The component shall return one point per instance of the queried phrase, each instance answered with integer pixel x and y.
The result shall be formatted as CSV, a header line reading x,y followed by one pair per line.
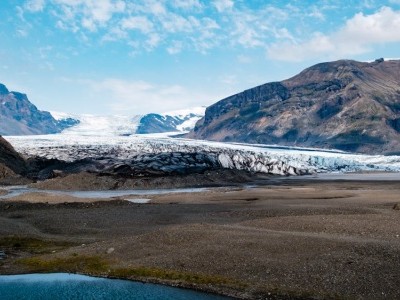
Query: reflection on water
x,y
71,286
14,191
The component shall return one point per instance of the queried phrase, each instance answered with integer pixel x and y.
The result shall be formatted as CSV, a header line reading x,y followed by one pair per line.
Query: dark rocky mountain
x,y
18,116
10,159
347,105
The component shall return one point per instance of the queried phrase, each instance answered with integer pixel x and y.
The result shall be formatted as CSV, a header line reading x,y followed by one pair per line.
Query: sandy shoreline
x,y
296,239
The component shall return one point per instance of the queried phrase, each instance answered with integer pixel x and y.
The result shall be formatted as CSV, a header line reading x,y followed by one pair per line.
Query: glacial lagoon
x,y
71,286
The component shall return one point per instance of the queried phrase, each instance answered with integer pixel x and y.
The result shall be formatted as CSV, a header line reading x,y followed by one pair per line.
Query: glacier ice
x,y
151,149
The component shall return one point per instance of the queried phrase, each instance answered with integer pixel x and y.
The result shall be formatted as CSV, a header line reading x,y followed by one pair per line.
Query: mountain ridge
x,y
346,105
18,116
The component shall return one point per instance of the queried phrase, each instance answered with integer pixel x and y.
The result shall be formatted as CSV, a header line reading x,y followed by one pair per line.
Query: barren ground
x,y
283,240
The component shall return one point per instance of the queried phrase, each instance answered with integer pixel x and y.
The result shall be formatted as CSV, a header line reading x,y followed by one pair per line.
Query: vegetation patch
x,y
95,265
74,264
32,245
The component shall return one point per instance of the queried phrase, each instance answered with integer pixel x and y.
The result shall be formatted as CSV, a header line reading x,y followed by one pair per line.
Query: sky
x,y
131,57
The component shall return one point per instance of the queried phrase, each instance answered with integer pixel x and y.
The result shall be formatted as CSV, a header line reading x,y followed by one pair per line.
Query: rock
x,y
396,206
110,250
57,173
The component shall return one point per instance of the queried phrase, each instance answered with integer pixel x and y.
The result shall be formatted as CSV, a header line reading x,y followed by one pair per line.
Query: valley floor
x,y
285,239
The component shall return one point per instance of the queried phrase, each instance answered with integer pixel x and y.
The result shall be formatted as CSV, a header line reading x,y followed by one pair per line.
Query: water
x,y
14,191
373,176
70,286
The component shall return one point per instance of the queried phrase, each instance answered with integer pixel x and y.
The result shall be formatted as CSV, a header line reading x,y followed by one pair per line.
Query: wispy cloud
x,y
88,14
123,96
175,48
176,24
35,5
223,5
141,23
196,25
188,4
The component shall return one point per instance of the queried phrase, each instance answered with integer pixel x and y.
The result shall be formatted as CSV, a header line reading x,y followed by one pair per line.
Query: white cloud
x,y
204,25
283,34
317,13
175,48
35,5
381,27
141,23
187,4
177,23
156,8
152,41
247,36
93,13
357,36
223,5
252,29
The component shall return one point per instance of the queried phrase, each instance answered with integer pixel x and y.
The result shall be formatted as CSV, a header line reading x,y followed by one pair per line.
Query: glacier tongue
x,y
169,155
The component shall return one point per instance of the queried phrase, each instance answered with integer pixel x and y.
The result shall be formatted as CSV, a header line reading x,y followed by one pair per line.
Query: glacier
x,y
172,122
166,154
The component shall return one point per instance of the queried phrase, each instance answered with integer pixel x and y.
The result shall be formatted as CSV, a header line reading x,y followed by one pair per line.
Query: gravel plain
x,y
283,239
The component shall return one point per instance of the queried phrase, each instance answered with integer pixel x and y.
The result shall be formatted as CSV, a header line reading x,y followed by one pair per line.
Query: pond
x,y
72,286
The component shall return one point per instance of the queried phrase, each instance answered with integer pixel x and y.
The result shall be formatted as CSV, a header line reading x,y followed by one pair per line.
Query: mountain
x,y
18,116
175,121
10,158
345,104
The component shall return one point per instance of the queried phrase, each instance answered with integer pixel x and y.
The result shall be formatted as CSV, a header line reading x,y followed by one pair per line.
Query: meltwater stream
x,y
14,191
71,286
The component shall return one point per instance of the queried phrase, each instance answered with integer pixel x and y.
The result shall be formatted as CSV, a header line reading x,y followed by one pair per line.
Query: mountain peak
x,y
3,89
345,104
20,117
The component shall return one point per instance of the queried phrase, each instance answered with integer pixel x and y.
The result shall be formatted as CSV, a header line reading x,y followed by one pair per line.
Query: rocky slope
x,y
347,105
10,161
18,116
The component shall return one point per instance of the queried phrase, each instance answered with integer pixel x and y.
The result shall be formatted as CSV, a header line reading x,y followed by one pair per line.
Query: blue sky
x,y
133,57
